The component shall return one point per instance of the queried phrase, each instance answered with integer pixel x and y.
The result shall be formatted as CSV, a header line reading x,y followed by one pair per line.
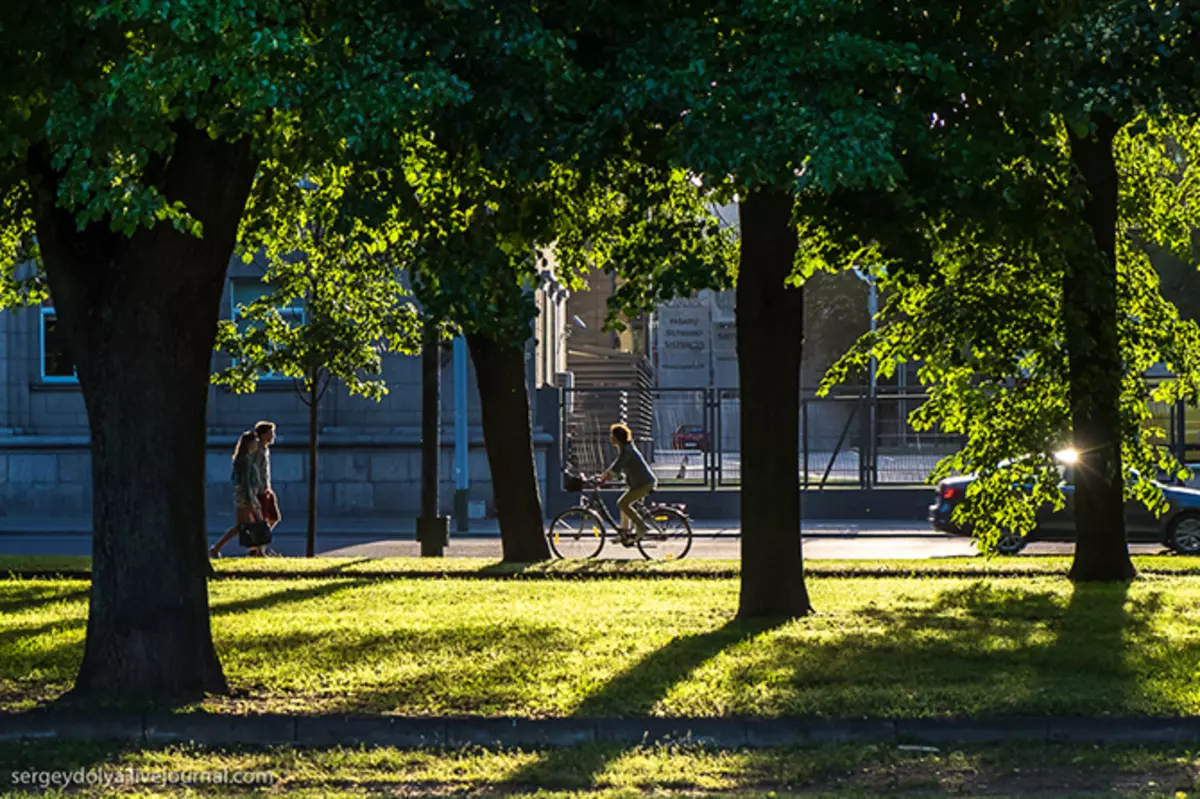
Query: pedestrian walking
x,y
249,483
265,432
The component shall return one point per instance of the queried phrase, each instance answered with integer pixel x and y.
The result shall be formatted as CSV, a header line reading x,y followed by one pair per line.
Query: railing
x,y
691,437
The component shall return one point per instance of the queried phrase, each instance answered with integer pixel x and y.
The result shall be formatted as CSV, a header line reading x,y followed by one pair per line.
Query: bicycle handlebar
x,y
589,480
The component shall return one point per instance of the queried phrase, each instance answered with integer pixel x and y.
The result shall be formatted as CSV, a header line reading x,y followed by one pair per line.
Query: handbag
x,y
270,508
254,534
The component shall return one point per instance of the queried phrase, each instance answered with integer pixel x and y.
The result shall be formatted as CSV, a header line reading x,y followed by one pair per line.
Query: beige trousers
x,y
625,503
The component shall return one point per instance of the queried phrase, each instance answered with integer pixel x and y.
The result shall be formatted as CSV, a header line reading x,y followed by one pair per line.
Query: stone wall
x,y
51,477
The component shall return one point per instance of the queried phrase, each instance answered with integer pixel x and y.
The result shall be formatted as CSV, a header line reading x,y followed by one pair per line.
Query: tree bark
x,y
770,332
1095,368
508,436
140,314
314,431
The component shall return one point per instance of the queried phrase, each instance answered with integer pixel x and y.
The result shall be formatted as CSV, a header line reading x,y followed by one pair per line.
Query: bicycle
x,y
581,531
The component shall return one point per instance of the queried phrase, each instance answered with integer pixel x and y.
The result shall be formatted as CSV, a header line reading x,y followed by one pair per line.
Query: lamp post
x,y
868,473
461,440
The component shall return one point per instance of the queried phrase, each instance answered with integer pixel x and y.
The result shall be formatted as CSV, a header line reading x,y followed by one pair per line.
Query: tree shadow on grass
x,y
42,595
347,563
1092,636
287,595
635,693
26,663
977,650
459,668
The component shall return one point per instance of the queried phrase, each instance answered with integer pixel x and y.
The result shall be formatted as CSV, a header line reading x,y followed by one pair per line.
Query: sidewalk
x,y
405,529
333,730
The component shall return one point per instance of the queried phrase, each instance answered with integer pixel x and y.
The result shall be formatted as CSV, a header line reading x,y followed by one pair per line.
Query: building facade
x,y
369,458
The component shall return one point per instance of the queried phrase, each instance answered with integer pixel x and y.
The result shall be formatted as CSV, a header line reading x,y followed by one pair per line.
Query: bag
x,y
254,534
270,507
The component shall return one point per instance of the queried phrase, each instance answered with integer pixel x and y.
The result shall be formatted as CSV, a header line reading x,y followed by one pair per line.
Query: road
x,y
822,540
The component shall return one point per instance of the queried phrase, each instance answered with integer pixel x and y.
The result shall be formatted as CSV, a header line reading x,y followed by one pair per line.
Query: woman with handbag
x,y
249,482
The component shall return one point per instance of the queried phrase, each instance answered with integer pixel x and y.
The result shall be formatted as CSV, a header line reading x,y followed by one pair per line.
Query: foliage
x,y
99,94
344,278
973,257
655,227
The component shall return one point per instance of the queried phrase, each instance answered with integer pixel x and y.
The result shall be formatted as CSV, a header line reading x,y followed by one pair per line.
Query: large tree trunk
x,y
140,317
1095,368
770,331
508,436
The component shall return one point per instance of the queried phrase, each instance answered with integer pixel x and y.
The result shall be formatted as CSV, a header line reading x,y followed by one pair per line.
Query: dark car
x,y
689,436
1178,528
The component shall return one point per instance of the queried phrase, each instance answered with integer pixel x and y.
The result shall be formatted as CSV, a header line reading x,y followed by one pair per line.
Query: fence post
x,y
712,473
864,438
873,476
804,439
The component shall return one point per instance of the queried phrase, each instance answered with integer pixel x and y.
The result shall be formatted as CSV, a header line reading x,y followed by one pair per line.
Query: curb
x,y
721,574
872,574
404,732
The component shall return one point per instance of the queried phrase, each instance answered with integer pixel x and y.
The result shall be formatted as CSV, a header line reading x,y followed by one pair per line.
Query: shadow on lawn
x,y
462,668
635,692
25,650
46,595
980,649
287,595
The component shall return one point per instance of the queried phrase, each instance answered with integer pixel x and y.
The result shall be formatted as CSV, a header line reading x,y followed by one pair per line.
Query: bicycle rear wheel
x,y
668,535
576,533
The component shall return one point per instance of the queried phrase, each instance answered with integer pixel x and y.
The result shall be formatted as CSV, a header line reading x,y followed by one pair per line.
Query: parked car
x,y
689,436
1178,528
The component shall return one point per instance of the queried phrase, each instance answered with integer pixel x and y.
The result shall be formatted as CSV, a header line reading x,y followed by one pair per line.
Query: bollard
x,y
434,534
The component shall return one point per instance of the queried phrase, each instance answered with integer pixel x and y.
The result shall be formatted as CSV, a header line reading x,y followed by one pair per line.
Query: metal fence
x,y
692,437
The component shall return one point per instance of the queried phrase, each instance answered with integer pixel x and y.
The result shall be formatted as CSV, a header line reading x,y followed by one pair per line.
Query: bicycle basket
x,y
573,483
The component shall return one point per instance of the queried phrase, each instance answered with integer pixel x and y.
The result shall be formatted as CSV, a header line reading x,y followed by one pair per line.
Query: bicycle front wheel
x,y
576,533
668,535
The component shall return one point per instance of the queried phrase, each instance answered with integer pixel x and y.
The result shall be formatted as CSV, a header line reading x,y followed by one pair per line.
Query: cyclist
x,y
638,477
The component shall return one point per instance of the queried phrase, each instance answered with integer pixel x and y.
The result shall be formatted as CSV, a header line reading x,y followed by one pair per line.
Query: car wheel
x,y
1184,535
1010,543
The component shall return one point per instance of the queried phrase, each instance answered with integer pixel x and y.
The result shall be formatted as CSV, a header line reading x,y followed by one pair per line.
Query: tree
x,y
353,304
138,143
523,169
770,102
1055,318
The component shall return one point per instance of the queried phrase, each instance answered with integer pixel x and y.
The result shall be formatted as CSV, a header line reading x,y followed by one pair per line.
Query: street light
x,y
872,309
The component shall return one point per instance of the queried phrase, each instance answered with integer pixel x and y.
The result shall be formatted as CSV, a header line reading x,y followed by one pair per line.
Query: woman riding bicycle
x,y
638,477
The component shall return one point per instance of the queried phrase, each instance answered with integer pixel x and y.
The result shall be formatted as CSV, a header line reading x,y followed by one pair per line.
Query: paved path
x,y
823,540
215,729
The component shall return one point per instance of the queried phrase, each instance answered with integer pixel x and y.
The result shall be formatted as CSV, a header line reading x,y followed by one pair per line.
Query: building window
x,y
244,292
57,366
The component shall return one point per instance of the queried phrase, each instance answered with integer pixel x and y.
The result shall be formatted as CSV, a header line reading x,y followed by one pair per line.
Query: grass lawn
x,y
900,647
661,771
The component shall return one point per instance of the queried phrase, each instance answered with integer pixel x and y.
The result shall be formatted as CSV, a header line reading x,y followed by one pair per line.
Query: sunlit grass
x,y
876,647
